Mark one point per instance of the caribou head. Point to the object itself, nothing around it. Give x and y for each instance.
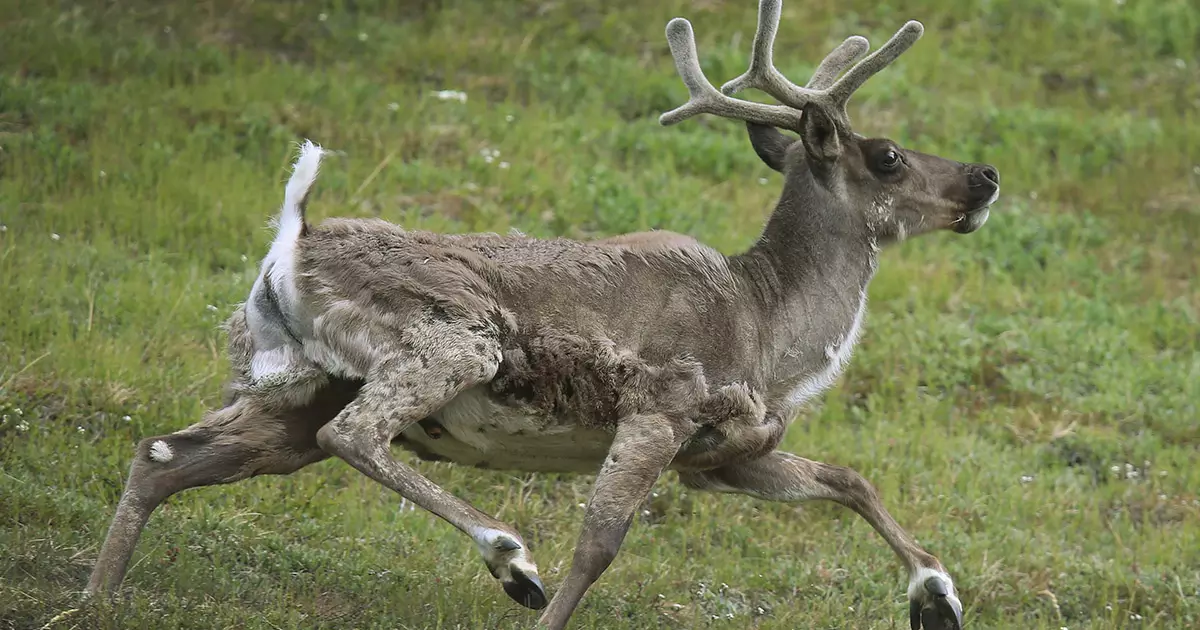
(887, 191)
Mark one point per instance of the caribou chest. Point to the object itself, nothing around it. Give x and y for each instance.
(811, 366)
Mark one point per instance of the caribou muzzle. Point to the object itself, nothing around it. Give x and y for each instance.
(983, 182)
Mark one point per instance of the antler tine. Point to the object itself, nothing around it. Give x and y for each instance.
(835, 62)
(840, 92)
(705, 99)
(763, 75)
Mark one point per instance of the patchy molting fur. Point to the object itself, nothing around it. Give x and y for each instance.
(566, 375)
(881, 220)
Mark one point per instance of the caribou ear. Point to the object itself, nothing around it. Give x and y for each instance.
(820, 137)
(770, 144)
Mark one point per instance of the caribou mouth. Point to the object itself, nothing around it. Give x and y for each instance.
(974, 218)
(971, 220)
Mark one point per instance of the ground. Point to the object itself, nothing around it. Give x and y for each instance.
(1025, 397)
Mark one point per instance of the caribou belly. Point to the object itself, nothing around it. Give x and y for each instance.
(475, 429)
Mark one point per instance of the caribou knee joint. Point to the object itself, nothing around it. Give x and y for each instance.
(848, 485)
(593, 556)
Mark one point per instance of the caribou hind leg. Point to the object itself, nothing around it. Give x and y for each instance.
(248, 437)
(406, 384)
(933, 601)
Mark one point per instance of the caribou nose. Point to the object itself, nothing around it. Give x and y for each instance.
(990, 173)
(983, 181)
(983, 174)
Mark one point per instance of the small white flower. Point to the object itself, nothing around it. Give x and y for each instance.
(126, 418)
(80, 429)
(166, 29)
(362, 37)
(211, 308)
(1033, 195)
(395, 107)
(4, 228)
(1026, 479)
(509, 118)
(762, 181)
(582, 505)
(22, 426)
(103, 174)
(55, 236)
(322, 17)
(244, 259)
(504, 165)
(451, 95)
(1182, 65)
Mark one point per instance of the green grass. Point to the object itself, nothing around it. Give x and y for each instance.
(1025, 398)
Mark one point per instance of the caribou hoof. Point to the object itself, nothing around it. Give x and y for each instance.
(508, 560)
(526, 590)
(933, 605)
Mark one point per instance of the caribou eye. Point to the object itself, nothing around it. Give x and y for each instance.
(890, 159)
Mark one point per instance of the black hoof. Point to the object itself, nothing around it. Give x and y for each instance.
(526, 590)
(938, 614)
(507, 544)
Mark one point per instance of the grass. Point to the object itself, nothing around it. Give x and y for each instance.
(1025, 398)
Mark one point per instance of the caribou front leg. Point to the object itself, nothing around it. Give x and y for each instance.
(933, 601)
(644, 445)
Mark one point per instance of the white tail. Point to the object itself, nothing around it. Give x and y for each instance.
(290, 223)
(289, 226)
(272, 300)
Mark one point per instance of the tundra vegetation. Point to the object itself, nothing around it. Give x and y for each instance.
(1024, 398)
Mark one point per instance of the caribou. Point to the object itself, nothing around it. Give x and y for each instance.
(622, 357)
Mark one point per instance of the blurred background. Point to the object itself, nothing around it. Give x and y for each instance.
(1025, 398)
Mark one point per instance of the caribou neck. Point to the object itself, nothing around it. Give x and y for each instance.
(808, 274)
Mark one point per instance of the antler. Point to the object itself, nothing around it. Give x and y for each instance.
(704, 98)
(762, 74)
